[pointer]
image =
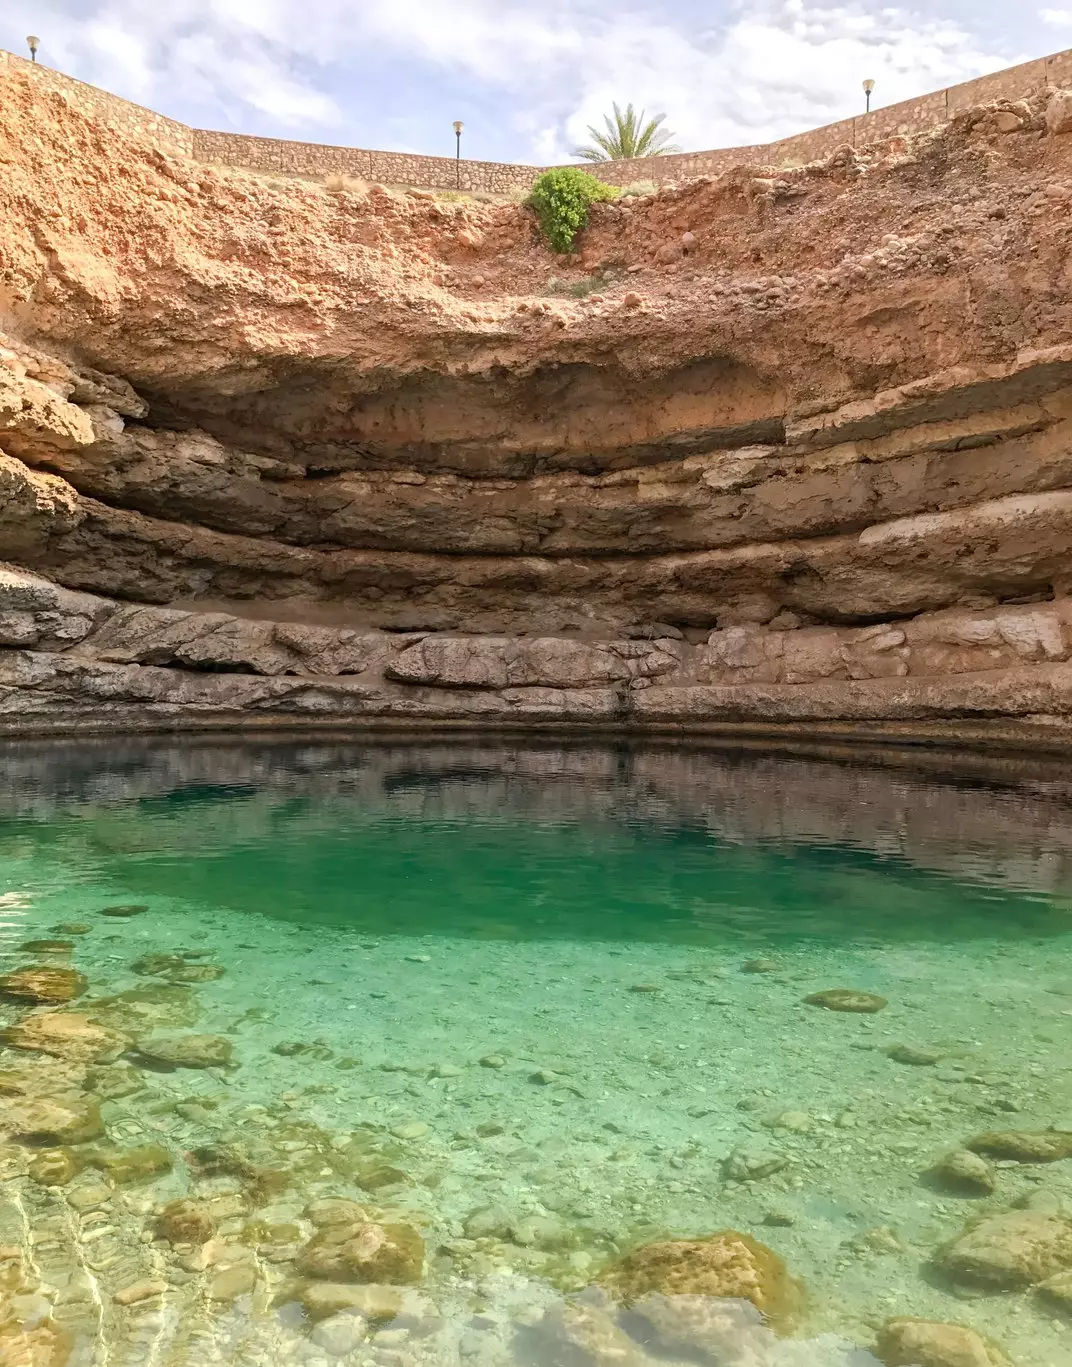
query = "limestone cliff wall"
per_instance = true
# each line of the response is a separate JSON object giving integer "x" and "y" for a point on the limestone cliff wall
{"x": 775, "y": 454}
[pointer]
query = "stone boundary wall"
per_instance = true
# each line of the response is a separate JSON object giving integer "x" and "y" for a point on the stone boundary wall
{"x": 132, "y": 119}
{"x": 286, "y": 157}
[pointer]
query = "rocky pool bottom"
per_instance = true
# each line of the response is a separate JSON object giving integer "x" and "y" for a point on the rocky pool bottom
{"x": 521, "y": 1056}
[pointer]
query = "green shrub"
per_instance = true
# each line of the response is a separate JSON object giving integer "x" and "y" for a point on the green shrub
{"x": 561, "y": 198}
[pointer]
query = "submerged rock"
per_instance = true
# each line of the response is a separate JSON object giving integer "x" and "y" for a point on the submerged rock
{"x": 137, "y": 1292}
{"x": 46, "y": 947}
{"x": 964, "y": 1172}
{"x": 751, "y": 1165}
{"x": 72, "y": 928}
{"x": 186, "y": 1222}
{"x": 41, "y": 983}
{"x": 364, "y": 1252}
{"x": 489, "y": 1222}
{"x": 141, "y": 1009}
{"x": 1007, "y": 1252}
{"x": 588, "y": 1331}
{"x": 176, "y": 968}
{"x": 125, "y": 911}
{"x": 187, "y": 1051}
{"x": 333, "y": 1210}
{"x": 125, "y": 1166}
{"x": 1023, "y": 1146}
{"x": 65, "y": 1034}
{"x": 228, "y": 1283}
{"x": 727, "y": 1264}
{"x": 43, "y": 1120}
{"x": 1058, "y": 1290}
{"x": 846, "y": 999}
{"x": 917, "y": 1058}
{"x": 320, "y": 1300}
{"x": 340, "y": 1334}
{"x": 150, "y": 965}
{"x": 56, "y": 1167}
{"x": 926, "y": 1343}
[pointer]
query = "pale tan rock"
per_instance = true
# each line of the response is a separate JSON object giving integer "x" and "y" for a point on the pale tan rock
{"x": 65, "y": 1034}
{"x": 231, "y": 1282}
{"x": 924, "y": 1343}
{"x": 376, "y": 1303}
{"x": 589, "y": 1327}
{"x": 1059, "y": 112}
{"x": 139, "y": 1291}
{"x": 1005, "y": 1252}
{"x": 1058, "y": 1290}
{"x": 52, "y": 1121}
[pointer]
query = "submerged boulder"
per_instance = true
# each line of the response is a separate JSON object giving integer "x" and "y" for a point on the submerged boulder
{"x": 43, "y": 984}
{"x": 187, "y": 1051}
{"x": 186, "y": 1222}
{"x": 847, "y": 999}
{"x": 125, "y": 1166}
{"x": 725, "y": 1265}
{"x": 965, "y": 1173}
{"x": 43, "y": 1120}
{"x": 1023, "y": 1146}
{"x": 65, "y": 1034}
{"x": 1007, "y": 1252}
{"x": 364, "y": 1252}
{"x": 927, "y": 1343}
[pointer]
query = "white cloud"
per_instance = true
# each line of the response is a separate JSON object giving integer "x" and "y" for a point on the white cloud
{"x": 758, "y": 70}
{"x": 1060, "y": 18}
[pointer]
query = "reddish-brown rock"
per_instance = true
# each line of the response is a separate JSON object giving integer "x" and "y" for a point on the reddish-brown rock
{"x": 400, "y": 483}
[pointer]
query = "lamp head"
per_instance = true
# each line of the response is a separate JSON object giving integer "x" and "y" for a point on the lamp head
{"x": 458, "y": 125}
{"x": 33, "y": 43}
{"x": 869, "y": 85}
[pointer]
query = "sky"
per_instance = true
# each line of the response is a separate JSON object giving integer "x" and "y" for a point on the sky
{"x": 525, "y": 76}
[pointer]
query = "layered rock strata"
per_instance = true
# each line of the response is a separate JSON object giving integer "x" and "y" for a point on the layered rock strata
{"x": 784, "y": 450}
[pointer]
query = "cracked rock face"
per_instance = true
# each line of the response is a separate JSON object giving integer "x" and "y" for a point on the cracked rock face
{"x": 275, "y": 455}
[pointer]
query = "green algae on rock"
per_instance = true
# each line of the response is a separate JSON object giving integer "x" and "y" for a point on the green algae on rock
{"x": 124, "y": 912}
{"x": 846, "y": 999}
{"x": 186, "y": 1221}
{"x": 364, "y": 1251}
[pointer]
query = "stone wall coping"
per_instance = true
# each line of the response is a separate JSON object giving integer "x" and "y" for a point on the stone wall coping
{"x": 295, "y": 157}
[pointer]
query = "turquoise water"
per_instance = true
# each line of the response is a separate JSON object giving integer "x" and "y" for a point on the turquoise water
{"x": 509, "y": 995}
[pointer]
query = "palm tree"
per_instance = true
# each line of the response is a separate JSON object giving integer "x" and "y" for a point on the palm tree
{"x": 627, "y": 135}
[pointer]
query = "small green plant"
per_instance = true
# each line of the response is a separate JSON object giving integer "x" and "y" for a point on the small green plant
{"x": 561, "y": 199}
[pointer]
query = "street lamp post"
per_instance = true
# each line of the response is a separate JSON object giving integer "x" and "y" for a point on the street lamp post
{"x": 869, "y": 85}
{"x": 458, "y": 126}
{"x": 33, "y": 43}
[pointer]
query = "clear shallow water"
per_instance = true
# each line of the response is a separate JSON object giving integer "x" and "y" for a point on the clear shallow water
{"x": 388, "y": 917}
